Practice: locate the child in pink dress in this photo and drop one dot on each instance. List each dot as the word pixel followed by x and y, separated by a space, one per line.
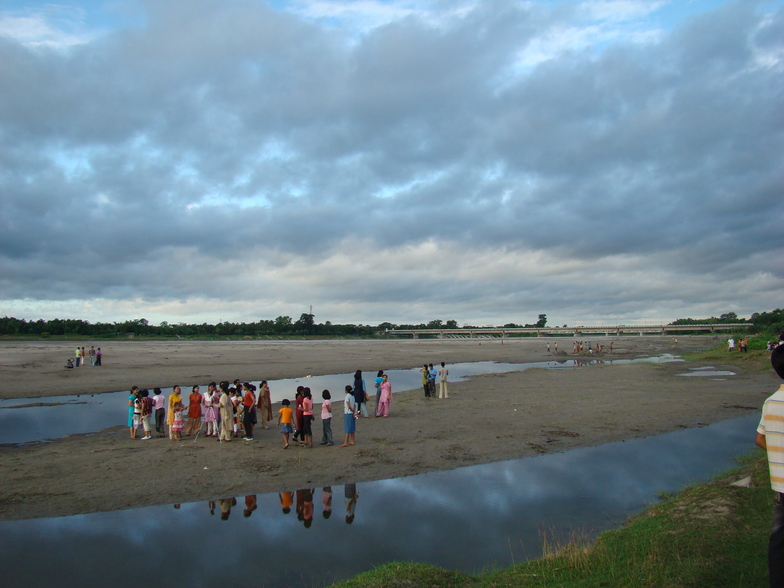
pixel 385 398
pixel 179 422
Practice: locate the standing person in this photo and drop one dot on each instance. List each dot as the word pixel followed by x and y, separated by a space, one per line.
pixel 377 386
pixel 78 357
pixel 349 417
pixel 98 357
pixel 194 412
pixel 432 374
pixel 307 418
pixel 92 355
pixel 443 375
pixel 730 344
pixel 146 405
pixel 424 371
pixel 265 404
pixel 158 404
pixel 177 410
pixel 226 412
pixel 249 410
pixel 131 405
pixel 298 397
pixel 84 356
pixel 326 418
pixel 386 397
pixel 174 399
pixel 285 422
pixel 360 394
pixel 210 411
pixel 770 432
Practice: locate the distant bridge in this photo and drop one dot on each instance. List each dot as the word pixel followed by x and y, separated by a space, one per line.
pixel 609 331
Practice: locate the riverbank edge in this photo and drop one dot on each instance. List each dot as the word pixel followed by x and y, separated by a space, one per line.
pixel 712 534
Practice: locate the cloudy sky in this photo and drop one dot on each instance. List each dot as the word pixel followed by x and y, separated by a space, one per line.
pixel 598 161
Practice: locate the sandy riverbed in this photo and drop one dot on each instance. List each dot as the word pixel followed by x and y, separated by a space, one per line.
pixel 489 418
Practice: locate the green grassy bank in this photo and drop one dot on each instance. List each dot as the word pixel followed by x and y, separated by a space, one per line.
pixel 713 534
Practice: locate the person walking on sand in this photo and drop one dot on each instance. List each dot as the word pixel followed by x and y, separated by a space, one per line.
pixel 443 376
pixel 770 432
pixel 349 417
pixel 386 397
pixel 194 412
pixel 264 405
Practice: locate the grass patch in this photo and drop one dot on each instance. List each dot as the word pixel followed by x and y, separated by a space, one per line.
pixel 714 534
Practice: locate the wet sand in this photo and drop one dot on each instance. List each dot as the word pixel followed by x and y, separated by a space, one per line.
pixel 488 418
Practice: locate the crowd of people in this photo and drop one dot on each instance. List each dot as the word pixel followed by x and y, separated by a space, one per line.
pixel 229 411
pixel 81 355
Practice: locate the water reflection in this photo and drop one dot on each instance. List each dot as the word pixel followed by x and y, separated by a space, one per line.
pixel 24 420
pixel 467 519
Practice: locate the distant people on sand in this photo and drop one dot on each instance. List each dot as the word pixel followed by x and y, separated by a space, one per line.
pixel 92 355
pixel 424 371
pixel 78 355
pixel 432 374
pixel 443 377
pixel 98 357
pixel 69 363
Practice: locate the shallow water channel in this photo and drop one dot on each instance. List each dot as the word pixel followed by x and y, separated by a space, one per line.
pixel 469 519
pixel 25 420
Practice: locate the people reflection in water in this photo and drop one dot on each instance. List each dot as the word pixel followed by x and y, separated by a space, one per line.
pixel 326 501
pixel 225 507
pixel 212 505
pixel 250 505
pixel 350 492
pixel 286 500
pixel 305 506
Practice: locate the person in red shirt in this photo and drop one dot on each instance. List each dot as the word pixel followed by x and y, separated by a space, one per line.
pixel 249 412
pixel 194 412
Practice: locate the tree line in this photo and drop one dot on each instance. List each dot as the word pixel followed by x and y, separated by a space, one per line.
pixel 284 326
